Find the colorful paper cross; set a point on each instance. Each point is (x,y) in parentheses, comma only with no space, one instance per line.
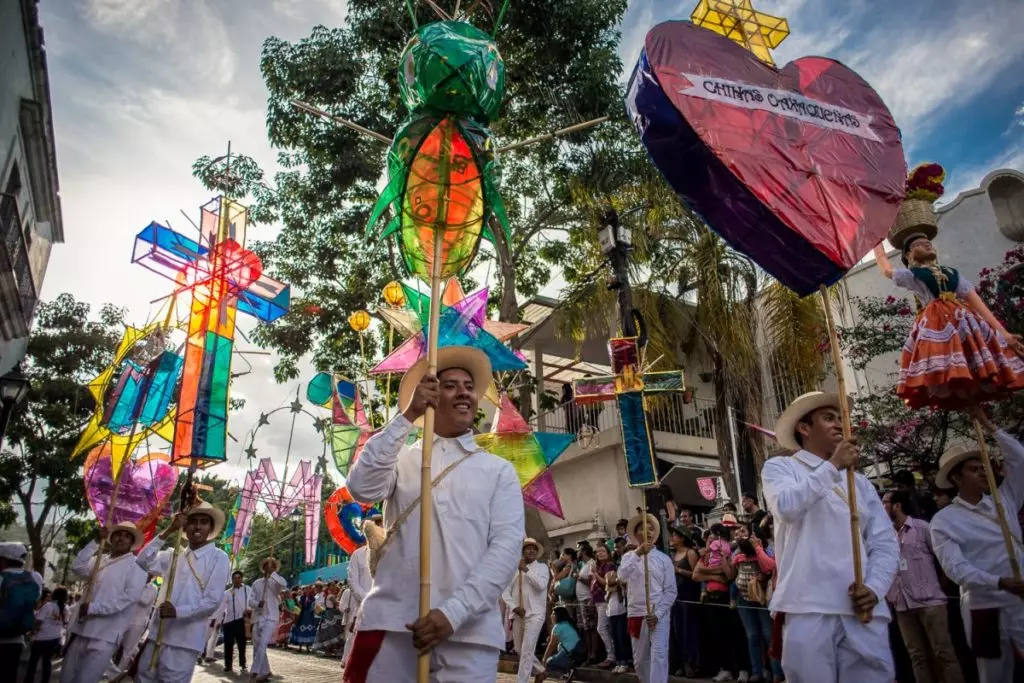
(629,387)
(224,278)
(531,454)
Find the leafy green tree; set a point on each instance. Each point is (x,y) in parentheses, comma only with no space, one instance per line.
(66,349)
(561,68)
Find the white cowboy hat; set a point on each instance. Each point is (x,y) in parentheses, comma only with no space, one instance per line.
(270,560)
(213,513)
(473,361)
(137,537)
(535,543)
(785,428)
(950,459)
(636,523)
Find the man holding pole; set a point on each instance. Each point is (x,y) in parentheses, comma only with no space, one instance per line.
(117,585)
(475,540)
(200,574)
(527,599)
(264,601)
(968,538)
(834,629)
(650,594)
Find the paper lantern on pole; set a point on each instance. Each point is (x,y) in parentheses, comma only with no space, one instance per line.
(393,294)
(359,321)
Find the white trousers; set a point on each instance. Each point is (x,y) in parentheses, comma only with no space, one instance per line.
(263,631)
(450,662)
(211,640)
(525,632)
(604,629)
(1011,632)
(350,635)
(836,648)
(86,660)
(650,652)
(175,665)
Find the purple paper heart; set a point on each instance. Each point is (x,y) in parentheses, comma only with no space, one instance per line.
(144,486)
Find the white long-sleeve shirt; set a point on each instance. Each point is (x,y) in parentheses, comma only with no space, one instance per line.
(117,588)
(359,579)
(235,602)
(269,592)
(663,583)
(968,540)
(476,537)
(198,587)
(535,582)
(813,548)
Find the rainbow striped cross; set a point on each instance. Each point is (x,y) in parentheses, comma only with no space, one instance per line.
(224,278)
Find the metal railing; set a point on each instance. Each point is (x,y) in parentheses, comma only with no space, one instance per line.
(14,256)
(665,413)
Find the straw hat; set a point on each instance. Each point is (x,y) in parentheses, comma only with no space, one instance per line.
(273,562)
(535,543)
(729,520)
(636,525)
(950,459)
(785,428)
(213,513)
(137,537)
(473,361)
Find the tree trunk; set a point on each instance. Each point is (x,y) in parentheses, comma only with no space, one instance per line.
(722,402)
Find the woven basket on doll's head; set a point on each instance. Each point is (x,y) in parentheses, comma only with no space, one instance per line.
(915,216)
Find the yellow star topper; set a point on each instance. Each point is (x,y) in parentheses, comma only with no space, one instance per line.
(97,432)
(738,21)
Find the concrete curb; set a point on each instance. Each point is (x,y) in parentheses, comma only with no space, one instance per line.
(595,675)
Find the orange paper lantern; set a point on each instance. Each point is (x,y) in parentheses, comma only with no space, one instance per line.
(359,321)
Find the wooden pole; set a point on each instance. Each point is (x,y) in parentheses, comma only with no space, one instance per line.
(541,138)
(167,598)
(851,474)
(426,494)
(522,619)
(647,564)
(997,499)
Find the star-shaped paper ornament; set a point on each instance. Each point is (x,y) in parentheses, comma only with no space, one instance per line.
(531,454)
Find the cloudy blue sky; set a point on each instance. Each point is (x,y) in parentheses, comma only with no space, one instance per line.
(142,87)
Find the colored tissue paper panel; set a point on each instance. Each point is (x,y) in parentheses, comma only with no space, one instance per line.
(262,485)
(143,490)
(636,439)
(800,168)
(542,495)
(163,378)
(590,390)
(120,412)
(344,518)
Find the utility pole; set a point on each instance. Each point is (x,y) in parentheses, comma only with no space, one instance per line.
(616,244)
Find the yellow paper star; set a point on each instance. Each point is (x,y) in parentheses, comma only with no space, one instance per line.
(738,21)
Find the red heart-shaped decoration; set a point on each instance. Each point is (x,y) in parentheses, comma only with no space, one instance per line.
(802,168)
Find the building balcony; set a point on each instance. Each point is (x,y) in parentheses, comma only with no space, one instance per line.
(18,294)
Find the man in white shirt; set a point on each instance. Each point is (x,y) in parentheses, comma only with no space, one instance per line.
(823,638)
(201,572)
(236,609)
(968,541)
(117,586)
(141,611)
(648,629)
(264,601)
(17,578)
(476,537)
(527,598)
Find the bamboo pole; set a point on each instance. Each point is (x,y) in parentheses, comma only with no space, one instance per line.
(310,109)
(522,617)
(647,563)
(997,499)
(547,136)
(426,494)
(851,474)
(171,572)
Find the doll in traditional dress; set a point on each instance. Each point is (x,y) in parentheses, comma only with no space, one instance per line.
(957,353)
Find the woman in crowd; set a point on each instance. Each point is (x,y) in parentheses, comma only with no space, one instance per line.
(685,643)
(754,572)
(570,649)
(51,619)
(330,637)
(289,610)
(715,569)
(586,613)
(669,505)
(598,589)
(616,597)
(304,629)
